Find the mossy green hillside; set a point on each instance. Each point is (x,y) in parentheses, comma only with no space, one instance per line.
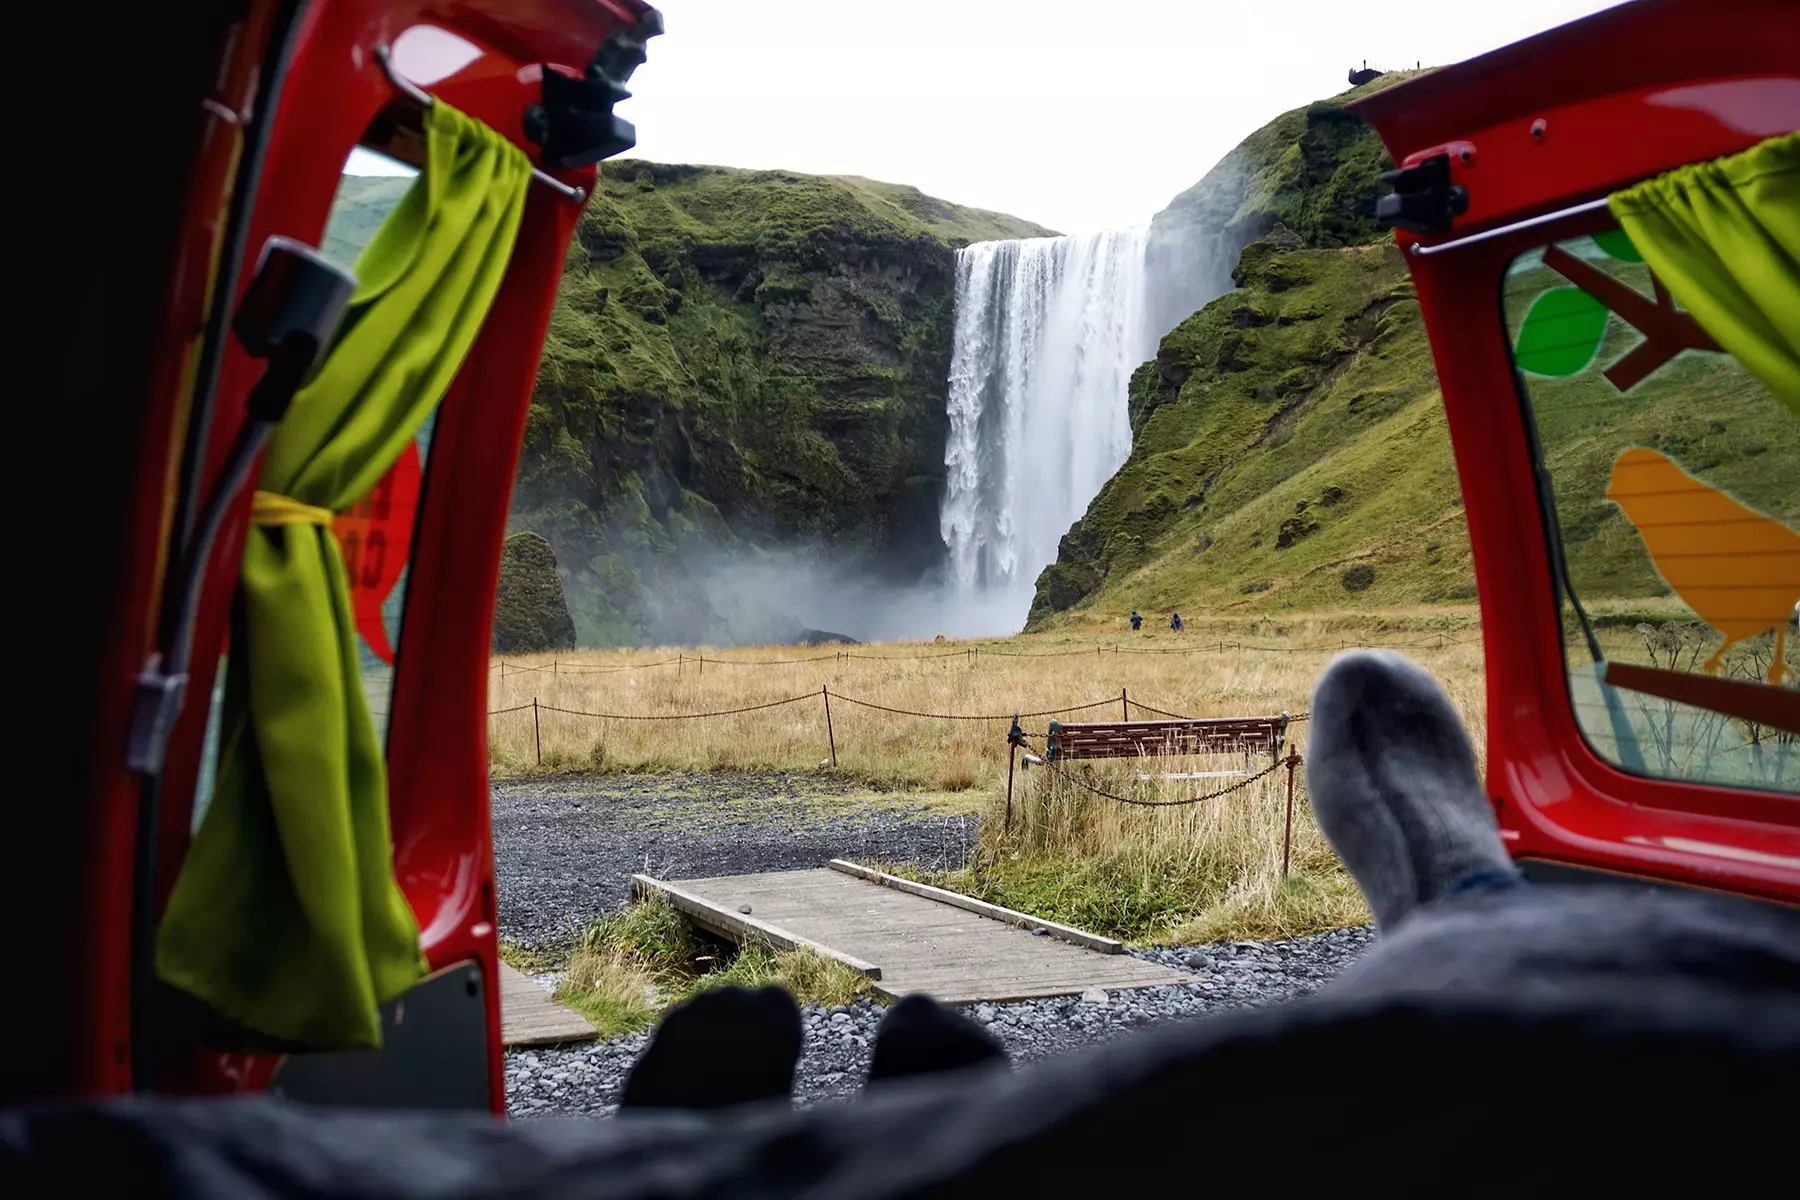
(739,361)
(1291,451)
(1314,170)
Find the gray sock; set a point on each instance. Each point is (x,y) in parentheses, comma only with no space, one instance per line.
(1393,783)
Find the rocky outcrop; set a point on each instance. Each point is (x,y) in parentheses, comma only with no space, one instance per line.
(1312,170)
(1284,433)
(741,362)
(531,615)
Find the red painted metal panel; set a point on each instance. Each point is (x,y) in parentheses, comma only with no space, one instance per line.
(1619,97)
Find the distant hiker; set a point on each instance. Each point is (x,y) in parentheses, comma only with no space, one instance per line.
(940,638)
(1137,622)
(1175,623)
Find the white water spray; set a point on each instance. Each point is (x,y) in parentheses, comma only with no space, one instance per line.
(1048,331)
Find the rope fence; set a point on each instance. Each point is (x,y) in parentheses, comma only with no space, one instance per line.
(1141,803)
(825,696)
(700,661)
(1291,763)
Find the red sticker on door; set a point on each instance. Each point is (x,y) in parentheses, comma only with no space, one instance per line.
(376,536)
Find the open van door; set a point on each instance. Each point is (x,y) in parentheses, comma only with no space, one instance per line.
(1630,482)
(243,131)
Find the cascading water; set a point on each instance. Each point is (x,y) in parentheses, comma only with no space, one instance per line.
(1048,331)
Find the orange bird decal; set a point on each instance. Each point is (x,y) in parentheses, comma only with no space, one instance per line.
(1739,570)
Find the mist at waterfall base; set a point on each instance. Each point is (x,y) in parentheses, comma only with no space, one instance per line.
(734,597)
(1048,332)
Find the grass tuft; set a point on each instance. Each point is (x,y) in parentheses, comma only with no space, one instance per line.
(636,960)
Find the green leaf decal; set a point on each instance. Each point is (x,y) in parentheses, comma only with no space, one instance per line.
(1562,333)
(1617,243)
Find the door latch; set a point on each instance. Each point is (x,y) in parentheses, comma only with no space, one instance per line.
(1423,200)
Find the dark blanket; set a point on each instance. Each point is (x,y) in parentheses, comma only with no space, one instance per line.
(1536,1040)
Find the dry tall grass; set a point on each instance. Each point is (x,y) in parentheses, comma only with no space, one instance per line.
(1265,667)
(1194,873)
(1179,873)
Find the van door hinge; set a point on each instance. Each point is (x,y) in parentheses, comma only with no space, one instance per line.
(1423,200)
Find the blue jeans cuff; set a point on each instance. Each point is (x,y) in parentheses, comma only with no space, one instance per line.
(1495,879)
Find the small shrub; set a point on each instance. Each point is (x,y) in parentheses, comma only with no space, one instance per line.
(958,776)
(1358,578)
(1293,529)
(610,988)
(1261,585)
(808,977)
(521,958)
(649,931)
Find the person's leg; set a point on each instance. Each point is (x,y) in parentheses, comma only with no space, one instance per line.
(919,1036)
(720,1049)
(1393,783)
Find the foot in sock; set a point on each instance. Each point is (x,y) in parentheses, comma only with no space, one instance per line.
(1393,784)
(722,1048)
(919,1036)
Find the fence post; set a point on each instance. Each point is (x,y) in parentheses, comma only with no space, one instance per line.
(829,735)
(1125,704)
(503,669)
(679,658)
(701,659)
(1287,832)
(537,732)
(553,671)
(1011,760)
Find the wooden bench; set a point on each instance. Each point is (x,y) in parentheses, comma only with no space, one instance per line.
(1167,739)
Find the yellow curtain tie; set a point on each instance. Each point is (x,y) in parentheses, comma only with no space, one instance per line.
(271,508)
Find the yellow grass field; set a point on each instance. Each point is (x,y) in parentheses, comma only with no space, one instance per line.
(1199,872)
(1265,667)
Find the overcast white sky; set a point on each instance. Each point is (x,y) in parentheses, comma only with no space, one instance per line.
(1077,115)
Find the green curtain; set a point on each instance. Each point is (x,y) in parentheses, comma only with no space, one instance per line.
(1724,238)
(286,917)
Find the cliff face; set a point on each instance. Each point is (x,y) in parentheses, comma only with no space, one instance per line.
(1313,170)
(741,362)
(1261,430)
(1290,450)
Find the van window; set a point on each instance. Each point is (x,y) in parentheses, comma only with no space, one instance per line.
(1672,476)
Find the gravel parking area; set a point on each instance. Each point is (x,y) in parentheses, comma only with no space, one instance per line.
(836,1056)
(565,848)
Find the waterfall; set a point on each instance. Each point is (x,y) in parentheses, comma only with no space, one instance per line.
(1048,332)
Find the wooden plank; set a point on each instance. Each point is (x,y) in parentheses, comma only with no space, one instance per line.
(530,1017)
(1200,735)
(1079,937)
(925,945)
(740,926)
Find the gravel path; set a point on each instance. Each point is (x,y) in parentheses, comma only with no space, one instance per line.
(836,1055)
(565,848)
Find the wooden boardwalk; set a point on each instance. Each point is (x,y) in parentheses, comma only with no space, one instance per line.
(529,1017)
(910,942)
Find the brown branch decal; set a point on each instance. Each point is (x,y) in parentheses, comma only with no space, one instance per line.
(1667,331)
